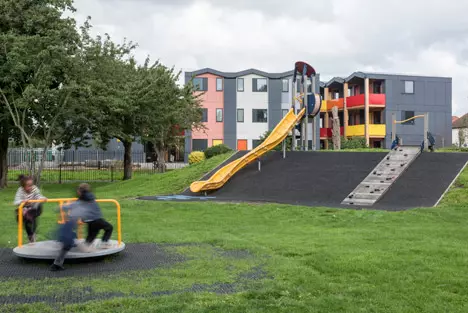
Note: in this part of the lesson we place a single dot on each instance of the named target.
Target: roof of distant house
(454, 118)
(462, 122)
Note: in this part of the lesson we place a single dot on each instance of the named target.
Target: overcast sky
(337, 37)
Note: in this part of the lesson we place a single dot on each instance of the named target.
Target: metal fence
(81, 165)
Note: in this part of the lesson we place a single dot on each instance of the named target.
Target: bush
(279, 147)
(353, 143)
(195, 157)
(216, 150)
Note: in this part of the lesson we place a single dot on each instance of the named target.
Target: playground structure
(49, 249)
(386, 173)
(309, 106)
(427, 136)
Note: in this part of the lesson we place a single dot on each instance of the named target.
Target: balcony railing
(375, 130)
(375, 100)
(328, 132)
(335, 102)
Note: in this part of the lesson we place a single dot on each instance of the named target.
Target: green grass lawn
(317, 259)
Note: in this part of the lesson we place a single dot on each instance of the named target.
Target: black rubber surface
(326, 178)
(424, 182)
(134, 257)
(307, 178)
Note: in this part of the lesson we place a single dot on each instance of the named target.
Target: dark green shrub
(216, 150)
(353, 143)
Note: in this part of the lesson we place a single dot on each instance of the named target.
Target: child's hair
(83, 188)
(23, 179)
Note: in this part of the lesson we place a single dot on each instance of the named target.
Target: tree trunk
(3, 157)
(161, 160)
(41, 166)
(127, 160)
(336, 129)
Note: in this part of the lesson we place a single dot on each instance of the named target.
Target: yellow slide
(276, 137)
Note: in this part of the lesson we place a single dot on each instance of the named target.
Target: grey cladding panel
(230, 106)
(274, 102)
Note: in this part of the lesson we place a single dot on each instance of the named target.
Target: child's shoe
(105, 245)
(54, 268)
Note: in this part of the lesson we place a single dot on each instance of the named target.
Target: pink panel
(212, 100)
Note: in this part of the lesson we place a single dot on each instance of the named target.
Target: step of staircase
(379, 181)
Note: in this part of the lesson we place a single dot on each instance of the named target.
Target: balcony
(375, 100)
(335, 102)
(327, 132)
(375, 131)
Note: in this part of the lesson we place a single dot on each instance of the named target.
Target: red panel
(359, 100)
(355, 101)
(327, 132)
(377, 99)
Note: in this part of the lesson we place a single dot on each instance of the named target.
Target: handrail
(407, 120)
(61, 201)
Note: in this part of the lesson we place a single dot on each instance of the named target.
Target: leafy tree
(38, 72)
(113, 80)
(167, 108)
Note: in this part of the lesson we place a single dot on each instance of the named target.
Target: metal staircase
(377, 183)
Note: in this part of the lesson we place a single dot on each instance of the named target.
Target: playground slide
(279, 133)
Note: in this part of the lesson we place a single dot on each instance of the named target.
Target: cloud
(337, 37)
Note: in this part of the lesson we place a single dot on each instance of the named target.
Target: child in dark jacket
(86, 209)
(89, 212)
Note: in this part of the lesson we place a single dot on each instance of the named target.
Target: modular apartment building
(240, 107)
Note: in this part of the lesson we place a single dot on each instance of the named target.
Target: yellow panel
(323, 108)
(217, 142)
(355, 131)
(375, 130)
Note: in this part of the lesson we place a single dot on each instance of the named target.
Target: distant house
(460, 131)
(454, 118)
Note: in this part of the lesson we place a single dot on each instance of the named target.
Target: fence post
(112, 173)
(60, 173)
(73, 161)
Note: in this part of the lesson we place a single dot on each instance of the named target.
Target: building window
(199, 144)
(285, 85)
(377, 87)
(377, 117)
(259, 85)
(205, 115)
(285, 111)
(309, 88)
(240, 84)
(200, 83)
(219, 115)
(406, 115)
(259, 116)
(240, 115)
(219, 84)
(409, 86)
(256, 143)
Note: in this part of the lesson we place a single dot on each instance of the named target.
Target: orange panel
(241, 144)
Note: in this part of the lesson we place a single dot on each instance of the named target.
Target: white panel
(249, 100)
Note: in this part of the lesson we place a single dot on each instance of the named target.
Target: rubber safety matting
(326, 178)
